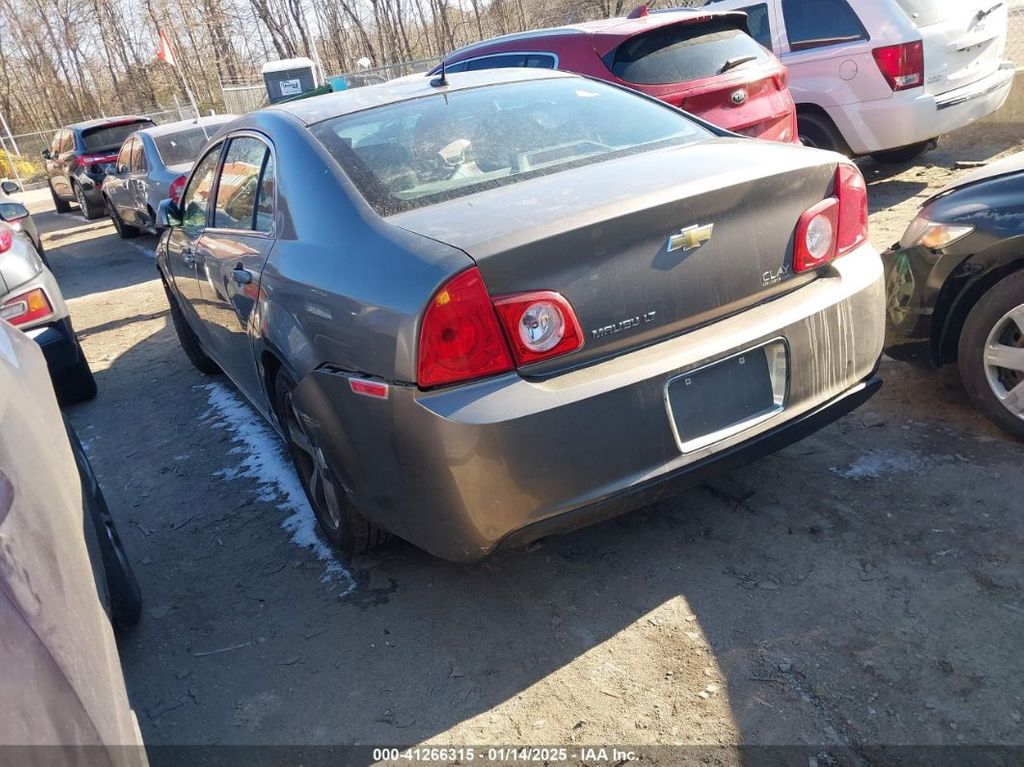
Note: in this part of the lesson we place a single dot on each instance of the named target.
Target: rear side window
(925, 12)
(684, 52)
(817, 23)
(110, 137)
(124, 157)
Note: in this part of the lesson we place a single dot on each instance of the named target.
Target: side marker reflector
(369, 388)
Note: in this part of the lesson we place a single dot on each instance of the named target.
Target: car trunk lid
(644, 247)
(963, 42)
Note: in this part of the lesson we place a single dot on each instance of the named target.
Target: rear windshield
(442, 146)
(111, 136)
(184, 146)
(926, 12)
(684, 52)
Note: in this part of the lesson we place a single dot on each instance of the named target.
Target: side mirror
(46, 154)
(13, 211)
(10, 187)
(168, 214)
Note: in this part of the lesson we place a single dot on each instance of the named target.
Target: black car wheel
(817, 131)
(123, 595)
(991, 354)
(902, 154)
(340, 521)
(89, 210)
(200, 360)
(59, 204)
(76, 384)
(124, 231)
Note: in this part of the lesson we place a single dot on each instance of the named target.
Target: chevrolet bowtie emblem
(690, 238)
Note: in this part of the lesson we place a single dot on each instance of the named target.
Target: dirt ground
(861, 587)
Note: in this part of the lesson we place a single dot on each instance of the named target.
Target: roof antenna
(440, 81)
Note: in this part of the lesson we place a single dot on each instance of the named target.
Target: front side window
(435, 148)
(817, 23)
(67, 142)
(511, 60)
(196, 200)
(683, 52)
(239, 183)
(55, 143)
(124, 157)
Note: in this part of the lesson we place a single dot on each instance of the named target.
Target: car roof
(619, 28)
(120, 119)
(319, 108)
(180, 125)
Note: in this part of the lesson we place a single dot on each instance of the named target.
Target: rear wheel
(76, 384)
(61, 205)
(340, 521)
(89, 210)
(187, 338)
(818, 131)
(903, 153)
(123, 230)
(991, 354)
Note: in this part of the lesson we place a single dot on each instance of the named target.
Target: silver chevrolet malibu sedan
(500, 305)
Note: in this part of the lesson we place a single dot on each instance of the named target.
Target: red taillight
(539, 325)
(834, 226)
(902, 65)
(27, 307)
(6, 239)
(177, 187)
(816, 236)
(460, 338)
(853, 208)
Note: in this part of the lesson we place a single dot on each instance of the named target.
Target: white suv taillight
(901, 65)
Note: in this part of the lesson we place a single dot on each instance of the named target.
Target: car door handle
(241, 275)
(189, 257)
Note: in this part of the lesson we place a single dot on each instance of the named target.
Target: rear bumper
(910, 117)
(460, 470)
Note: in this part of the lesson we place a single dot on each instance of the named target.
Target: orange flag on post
(164, 52)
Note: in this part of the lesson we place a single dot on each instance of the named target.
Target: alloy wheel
(80, 198)
(328, 498)
(1004, 360)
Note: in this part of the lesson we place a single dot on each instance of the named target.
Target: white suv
(885, 77)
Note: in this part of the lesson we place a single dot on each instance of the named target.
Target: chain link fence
(20, 157)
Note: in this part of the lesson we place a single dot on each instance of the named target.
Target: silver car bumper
(459, 471)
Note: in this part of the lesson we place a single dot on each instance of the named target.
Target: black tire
(200, 360)
(61, 205)
(902, 154)
(818, 131)
(123, 595)
(124, 231)
(984, 320)
(339, 520)
(89, 209)
(76, 384)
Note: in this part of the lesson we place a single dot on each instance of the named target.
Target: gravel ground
(861, 587)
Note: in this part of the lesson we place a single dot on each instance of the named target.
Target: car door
(182, 240)
(56, 165)
(137, 184)
(232, 252)
(115, 187)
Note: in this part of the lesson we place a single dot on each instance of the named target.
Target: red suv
(702, 61)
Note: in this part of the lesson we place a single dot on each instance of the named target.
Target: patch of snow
(880, 463)
(264, 459)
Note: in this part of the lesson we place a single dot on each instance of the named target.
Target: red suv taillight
(177, 187)
(466, 335)
(834, 226)
(901, 65)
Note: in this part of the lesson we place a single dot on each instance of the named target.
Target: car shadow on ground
(790, 602)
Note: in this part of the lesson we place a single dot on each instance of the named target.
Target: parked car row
(865, 77)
